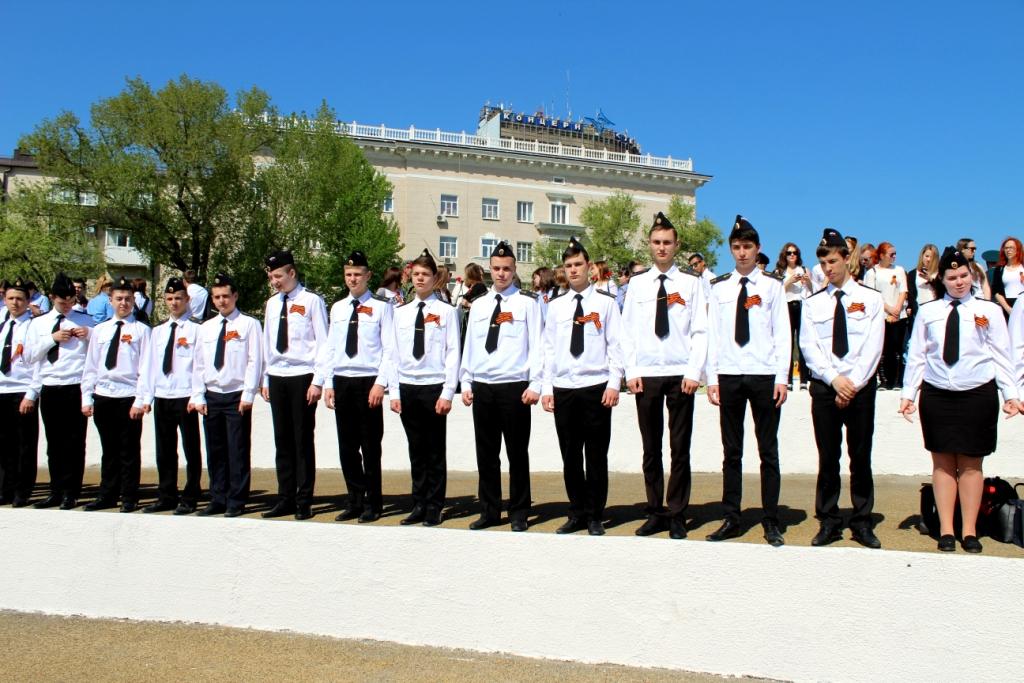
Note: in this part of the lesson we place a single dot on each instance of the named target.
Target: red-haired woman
(1008, 275)
(891, 281)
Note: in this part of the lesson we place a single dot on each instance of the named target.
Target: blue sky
(887, 120)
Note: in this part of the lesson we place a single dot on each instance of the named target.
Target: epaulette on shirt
(775, 276)
(378, 297)
(933, 301)
(606, 293)
(532, 295)
(868, 287)
(823, 289)
(555, 296)
(641, 272)
(411, 299)
(721, 278)
(686, 270)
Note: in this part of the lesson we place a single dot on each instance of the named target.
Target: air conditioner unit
(448, 261)
(440, 218)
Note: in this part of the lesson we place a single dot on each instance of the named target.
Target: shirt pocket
(184, 344)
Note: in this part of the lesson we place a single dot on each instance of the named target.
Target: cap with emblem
(124, 284)
(575, 248)
(62, 286)
(661, 222)
(743, 230)
(952, 258)
(19, 285)
(503, 249)
(830, 237)
(223, 280)
(357, 258)
(175, 284)
(279, 259)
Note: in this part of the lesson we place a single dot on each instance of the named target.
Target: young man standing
(842, 331)
(501, 368)
(664, 346)
(294, 330)
(700, 266)
(749, 344)
(113, 395)
(581, 379)
(58, 342)
(227, 368)
(167, 378)
(19, 391)
(358, 356)
(425, 373)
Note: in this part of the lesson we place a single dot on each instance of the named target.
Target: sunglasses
(792, 253)
(970, 248)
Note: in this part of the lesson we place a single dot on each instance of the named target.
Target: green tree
(694, 235)
(613, 230)
(547, 251)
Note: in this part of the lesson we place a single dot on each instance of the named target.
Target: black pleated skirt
(961, 422)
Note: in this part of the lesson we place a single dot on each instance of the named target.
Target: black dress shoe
(211, 509)
(184, 509)
(773, 534)
(349, 513)
(129, 506)
(417, 515)
(971, 544)
(866, 537)
(51, 501)
(519, 524)
(282, 509)
(303, 512)
(653, 525)
(19, 502)
(572, 525)
(100, 504)
(235, 511)
(947, 543)
(729, 529)
(369, 515)
(595, 528)
(160, 506)
(68, 503)
(677, 528)
(484, 522)
(432, 518)
(828, 533)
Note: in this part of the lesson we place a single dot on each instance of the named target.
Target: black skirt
(960, 422)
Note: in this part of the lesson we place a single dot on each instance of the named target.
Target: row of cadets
(580, 385)
(19, 391)
(295, 329)
(58, 342)
(357, 357)
(664, 346)
(501, 379)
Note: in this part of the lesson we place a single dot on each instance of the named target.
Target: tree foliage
(613, 230)
(694, 235)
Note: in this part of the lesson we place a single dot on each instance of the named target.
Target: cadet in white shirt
(227, 368)
(959, 354)
(358, 356)
(748, 361)
(424, 376)
(501, 380)
(19, 391)
(113, 395)
(581, 379)
(842, 328)
(664, 346)
(167, 377)
(294, 331)
(58, 342)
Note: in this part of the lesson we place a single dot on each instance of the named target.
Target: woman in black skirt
(959, 354)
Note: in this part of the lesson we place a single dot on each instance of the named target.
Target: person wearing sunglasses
(796, 280)
(979, 286)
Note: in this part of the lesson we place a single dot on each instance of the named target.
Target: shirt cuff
(692, 374)
(447, 394)
(139, 402)
(248, 396)
(909, 393)
(87, 400)
(535, 387)
(830, 376)
(198, 399)
(712, 379)
(547, 390)
(32, 395)
(782, 378)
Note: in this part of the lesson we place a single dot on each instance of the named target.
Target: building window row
(490, 209)
(448, 248)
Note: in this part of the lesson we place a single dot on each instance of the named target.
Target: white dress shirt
(519, 356)
(24, 374)
(601, 360)
(307, 333)
(71, 358)
(243, 358)
(818, 279)
(865, 333)
(705, 278)
(767, 352)
(984, 349)
(178, 384)
(375, 349)
(197, 296)
(684, 351)
(441, 339)
(41, 302)
(124, 379)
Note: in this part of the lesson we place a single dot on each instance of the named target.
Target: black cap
(503, 249)
(952, 258)
(357, 258)
(62, 286)
(18, 284)
(222, 280)
(661, 222)
(831, 238)
(575, 247)
(123, 283)
(279, 259)
(175, 284)
(742, 229)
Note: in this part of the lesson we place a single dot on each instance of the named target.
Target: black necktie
(218, 355)
(492, 332)
(115, 343)
(742, 315)
(576, 342)
(352, 340)
(53, 354)
(840, 340)
(169, 350)
(417, 336)
(661, 310)
(951, 345)
(5, 358)
(282, 326)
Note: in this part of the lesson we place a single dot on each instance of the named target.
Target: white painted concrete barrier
(794, 613)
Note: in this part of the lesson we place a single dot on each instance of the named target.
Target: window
(524, 212)
(449, 205)
(119, 238)
(489, 209)
(389, 204)
(524, 251)
(558, 180)
(449, 247)
(558, 213)
(487, 245)
(88, 199)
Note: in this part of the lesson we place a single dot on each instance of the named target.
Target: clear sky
(887, 120)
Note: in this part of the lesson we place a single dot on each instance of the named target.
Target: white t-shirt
(796, 290)
(197, 300)
(1013, 281)
(891, 282)
(925, 292)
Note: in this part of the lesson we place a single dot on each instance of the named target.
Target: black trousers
(228, 448)
(170, 415)
(360, 431)
(61, 410)
(499, 411)
(427, 433)
(121, 441)
(584, 429)
(891, 367)
(294, 423)
(650, 416)
(795, 353)
(829, 420)
(20, 447)
(735, 392)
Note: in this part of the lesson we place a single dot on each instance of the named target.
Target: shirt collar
(585, 293)
(361, 299)
(754, 276)
(295, 292)
(507, 294)
(670, 273)
(230, 316)
(430, 297)
(967, 298)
